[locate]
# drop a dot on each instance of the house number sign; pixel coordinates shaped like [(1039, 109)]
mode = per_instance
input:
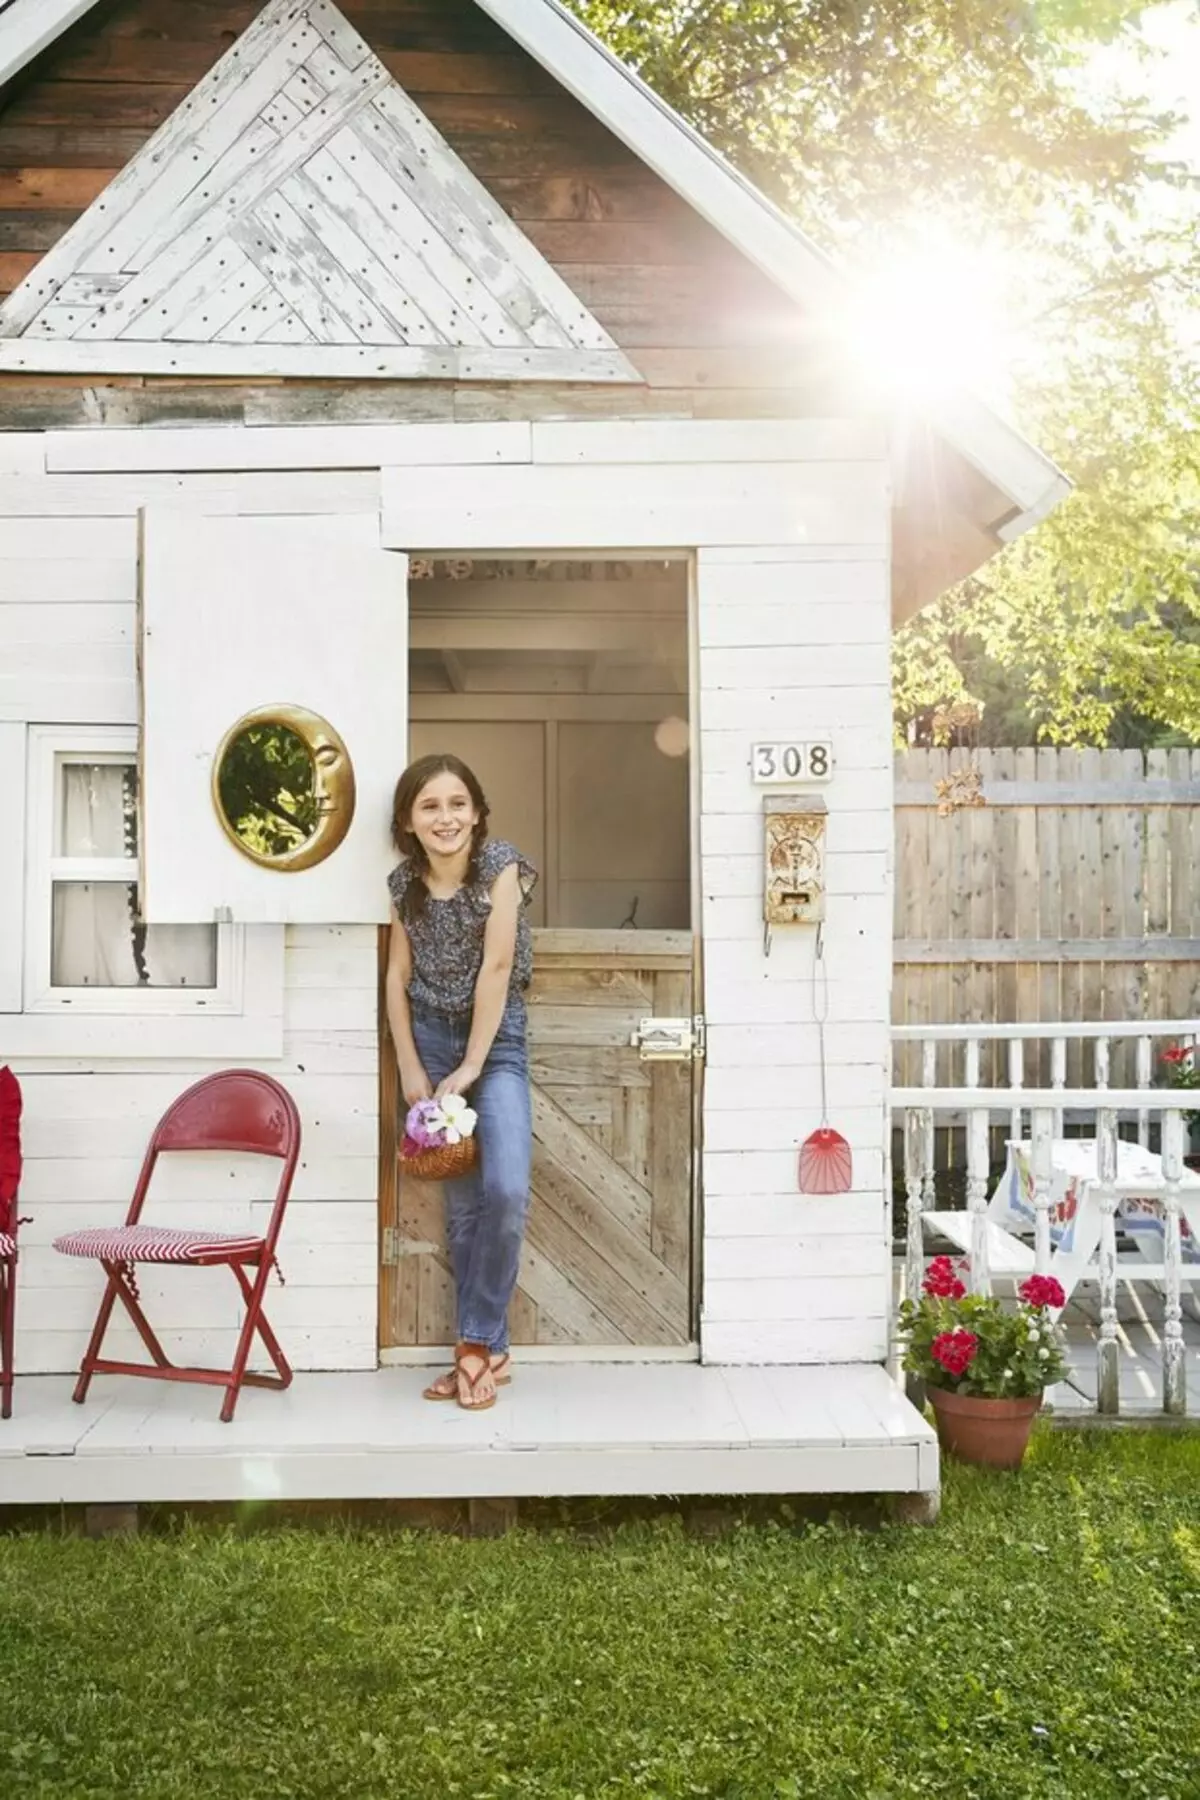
[(793, 760)]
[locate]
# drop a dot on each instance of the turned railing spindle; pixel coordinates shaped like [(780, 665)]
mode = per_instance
[(928, 1155), (977, 1174), (1016, 1079), (1043, 1147), (1143, 1076), (1058, 1075), (1174, 1367), (915, 1139), (1108, 1366)]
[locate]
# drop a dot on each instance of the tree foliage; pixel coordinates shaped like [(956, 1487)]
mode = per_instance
[(267, 789), (864, 117)]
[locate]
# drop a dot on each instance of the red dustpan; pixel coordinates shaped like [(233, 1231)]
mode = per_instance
[(826, 1166)]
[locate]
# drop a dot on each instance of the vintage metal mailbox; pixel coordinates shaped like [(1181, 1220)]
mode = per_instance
[(794, 853)]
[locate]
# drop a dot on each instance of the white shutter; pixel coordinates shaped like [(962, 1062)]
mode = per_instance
[(242, 613)]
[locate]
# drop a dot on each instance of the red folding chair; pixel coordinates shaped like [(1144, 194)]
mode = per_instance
[(10, 1181), (238, 1110)]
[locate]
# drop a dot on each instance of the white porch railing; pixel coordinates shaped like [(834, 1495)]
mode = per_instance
[(1037, 1115)]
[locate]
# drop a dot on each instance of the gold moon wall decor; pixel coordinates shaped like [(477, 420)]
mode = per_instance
[(283, 787)]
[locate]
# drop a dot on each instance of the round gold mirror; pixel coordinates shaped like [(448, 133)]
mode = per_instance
[(283, 787)]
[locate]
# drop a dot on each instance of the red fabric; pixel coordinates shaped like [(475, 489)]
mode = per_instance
[(154, 1243), (10, 1147)]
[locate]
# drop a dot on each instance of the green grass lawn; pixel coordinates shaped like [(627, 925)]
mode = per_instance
[(1043, 1640)]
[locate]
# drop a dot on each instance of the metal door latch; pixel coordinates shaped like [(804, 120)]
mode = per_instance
[(670, 1040)]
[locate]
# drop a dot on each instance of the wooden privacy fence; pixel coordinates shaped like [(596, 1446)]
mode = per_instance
[(1071, 893)]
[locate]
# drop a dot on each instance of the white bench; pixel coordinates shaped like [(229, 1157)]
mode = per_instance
[(1007, 1255)]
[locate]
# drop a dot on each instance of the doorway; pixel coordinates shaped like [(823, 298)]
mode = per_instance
[(565, 685)]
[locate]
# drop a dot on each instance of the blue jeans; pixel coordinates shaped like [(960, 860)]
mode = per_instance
[(485, 1210)]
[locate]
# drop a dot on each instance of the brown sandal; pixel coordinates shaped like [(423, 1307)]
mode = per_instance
[(446, 1386), (480, 1353)]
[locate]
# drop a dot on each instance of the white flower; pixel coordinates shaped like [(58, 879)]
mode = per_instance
[(457, 1118), (1043, 1353), (1008, 1374), (1034, 1334)]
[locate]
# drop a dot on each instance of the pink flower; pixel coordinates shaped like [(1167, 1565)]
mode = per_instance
[(1179, 1054), (419, 1124), (955, 1350), (941, 1282), (1042, 1290)]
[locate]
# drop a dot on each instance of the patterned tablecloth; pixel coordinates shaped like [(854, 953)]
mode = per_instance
[(1073, 1181)]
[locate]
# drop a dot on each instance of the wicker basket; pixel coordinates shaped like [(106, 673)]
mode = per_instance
[(443, 1162)]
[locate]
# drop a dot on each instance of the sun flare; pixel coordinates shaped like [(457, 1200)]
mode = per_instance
[(932, 319)]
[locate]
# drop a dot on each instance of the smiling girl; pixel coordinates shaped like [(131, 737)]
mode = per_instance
[(459, 961)]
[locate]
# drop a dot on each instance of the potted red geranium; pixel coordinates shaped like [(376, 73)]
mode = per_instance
[(985, 1364)]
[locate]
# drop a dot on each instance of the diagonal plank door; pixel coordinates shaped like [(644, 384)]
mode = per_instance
[(608, 1249)]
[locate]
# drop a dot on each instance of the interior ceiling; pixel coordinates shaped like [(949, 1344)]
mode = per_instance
[(475, 627), (468, 568)]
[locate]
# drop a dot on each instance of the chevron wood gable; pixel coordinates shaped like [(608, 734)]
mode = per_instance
[(297, 215)]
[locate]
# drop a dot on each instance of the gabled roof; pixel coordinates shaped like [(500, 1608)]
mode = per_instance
[(764, 234), (28, 26), (761, 231)]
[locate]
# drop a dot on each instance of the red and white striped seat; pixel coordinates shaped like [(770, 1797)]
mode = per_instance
[(8, 1244), (156, 1244)]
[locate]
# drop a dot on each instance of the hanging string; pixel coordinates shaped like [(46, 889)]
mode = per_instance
[(820, 1006)]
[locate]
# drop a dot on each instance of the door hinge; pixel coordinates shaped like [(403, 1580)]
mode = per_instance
[(394, 1246), (670, 1040)]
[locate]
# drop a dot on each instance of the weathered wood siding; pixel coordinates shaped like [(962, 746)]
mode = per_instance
[(710, 336), (794, 641)]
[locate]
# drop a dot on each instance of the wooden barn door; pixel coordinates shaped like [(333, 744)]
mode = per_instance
[(608, 1250), (567, 689)]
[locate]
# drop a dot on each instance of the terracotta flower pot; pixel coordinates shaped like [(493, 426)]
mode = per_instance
[(993, 1433)]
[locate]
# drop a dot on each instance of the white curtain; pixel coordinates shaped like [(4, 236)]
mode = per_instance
[(97, 938)]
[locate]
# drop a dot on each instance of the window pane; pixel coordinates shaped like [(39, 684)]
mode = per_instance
[(98, 942), (97, 809)]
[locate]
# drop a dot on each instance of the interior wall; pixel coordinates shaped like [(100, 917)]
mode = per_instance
[(623, 825), (556, 691)]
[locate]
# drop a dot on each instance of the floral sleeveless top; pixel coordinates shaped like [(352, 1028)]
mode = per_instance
[(447, 936)]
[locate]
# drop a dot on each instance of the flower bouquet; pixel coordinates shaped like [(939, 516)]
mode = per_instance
[(984, 1364), (439, 1139)]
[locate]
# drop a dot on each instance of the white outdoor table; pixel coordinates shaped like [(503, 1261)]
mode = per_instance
[(1076, 1212)]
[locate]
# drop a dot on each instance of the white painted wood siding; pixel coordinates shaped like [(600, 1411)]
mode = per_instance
[(789, 1277), (791, 645), (85, 1130), (67, 630)]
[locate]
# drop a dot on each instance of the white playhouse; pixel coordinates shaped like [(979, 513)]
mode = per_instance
[(422, 382)]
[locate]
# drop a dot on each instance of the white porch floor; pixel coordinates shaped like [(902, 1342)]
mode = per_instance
[(560, 1429), (1139, 1349)]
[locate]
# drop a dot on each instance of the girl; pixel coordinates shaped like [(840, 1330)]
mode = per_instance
[(459, 961)]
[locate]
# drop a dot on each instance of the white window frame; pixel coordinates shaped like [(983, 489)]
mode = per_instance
[(240, 1016), (50, 751)]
